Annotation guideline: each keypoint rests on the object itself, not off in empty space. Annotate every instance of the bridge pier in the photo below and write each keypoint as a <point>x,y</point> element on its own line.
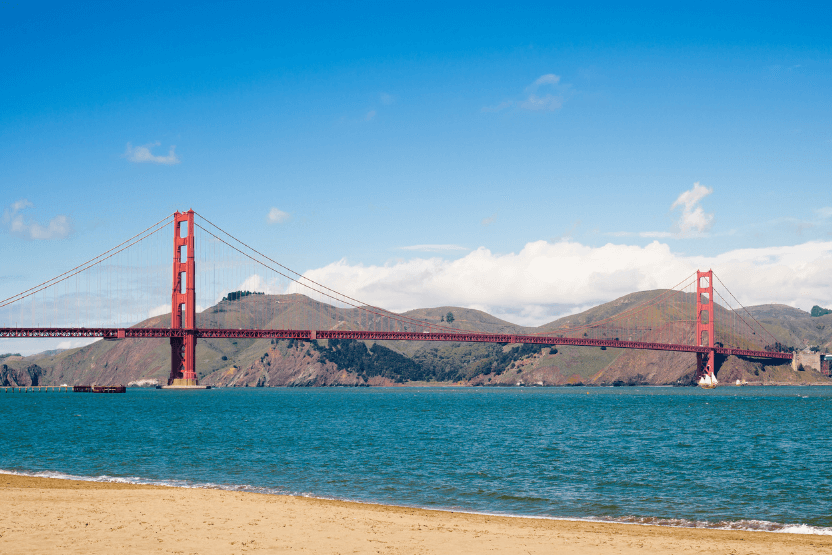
<point>705,364</point>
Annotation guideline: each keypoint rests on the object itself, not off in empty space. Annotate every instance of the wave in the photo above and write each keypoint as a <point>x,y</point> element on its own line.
<point>738,525</point>
<point>743,525</point>
<point>148,482</point>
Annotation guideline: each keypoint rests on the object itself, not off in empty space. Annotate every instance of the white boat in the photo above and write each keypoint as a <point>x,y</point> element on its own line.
<point>708,381</point>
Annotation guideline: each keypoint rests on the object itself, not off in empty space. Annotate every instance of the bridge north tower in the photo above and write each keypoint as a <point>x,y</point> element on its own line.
<point>705,323</point>
<point>183,302</point>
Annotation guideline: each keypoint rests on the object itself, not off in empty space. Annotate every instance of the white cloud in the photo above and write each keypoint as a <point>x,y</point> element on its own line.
<point>825,212</point>
<point>544,94</point>
<point>387,99</point>
<point>20,205</point>
<point>370,115</point>
<point>548,79</point>
<point>545,280</point>
<point>277,216</point>
<point>499,107</point>
<point>694,220</point>
<point>489,220</point>
<point>433,248</point>
<point>141,154</point>
<point>547,102</point>
<point>256,283</point>
<point>57,228</point>
<point>159,310</point>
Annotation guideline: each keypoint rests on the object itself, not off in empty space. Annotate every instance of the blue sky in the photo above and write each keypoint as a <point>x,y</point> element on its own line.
<point>404,138</point>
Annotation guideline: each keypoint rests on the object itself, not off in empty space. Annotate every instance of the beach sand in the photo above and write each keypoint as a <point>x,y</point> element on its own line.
<point>43,515</point>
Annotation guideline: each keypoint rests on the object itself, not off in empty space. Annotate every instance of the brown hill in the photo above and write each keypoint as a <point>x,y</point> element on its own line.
<point>794,327</point>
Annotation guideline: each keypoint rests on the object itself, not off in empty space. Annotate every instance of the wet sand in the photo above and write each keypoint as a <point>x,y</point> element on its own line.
<point>43,515</point>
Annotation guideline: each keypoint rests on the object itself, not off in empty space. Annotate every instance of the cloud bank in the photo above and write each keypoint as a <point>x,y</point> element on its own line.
<point>546,280</point>
<point>13,220</point>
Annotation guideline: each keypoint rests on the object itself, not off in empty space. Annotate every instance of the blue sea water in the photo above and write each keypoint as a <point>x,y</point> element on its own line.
<point>733,457</point>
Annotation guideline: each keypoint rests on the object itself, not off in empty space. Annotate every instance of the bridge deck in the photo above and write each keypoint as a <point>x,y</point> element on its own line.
<point>307,335</point>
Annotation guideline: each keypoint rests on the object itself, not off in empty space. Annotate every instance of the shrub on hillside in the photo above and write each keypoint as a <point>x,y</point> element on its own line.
<point>818,311</point>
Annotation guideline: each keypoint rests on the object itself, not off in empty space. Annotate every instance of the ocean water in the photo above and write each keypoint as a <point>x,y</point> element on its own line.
<point>734,457</point>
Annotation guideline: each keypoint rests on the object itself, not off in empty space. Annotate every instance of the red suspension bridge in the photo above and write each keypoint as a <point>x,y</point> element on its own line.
<point>119,295</point>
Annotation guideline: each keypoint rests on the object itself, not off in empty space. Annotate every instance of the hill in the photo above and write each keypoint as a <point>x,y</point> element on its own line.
<point>795,327</point>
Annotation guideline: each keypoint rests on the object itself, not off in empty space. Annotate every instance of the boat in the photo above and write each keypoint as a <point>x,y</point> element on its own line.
<point>99,389</point>
<point>109,389</point>
<point>708,381</point>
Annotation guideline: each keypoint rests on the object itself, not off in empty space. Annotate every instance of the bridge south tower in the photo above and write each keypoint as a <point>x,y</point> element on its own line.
<point>183,302</point>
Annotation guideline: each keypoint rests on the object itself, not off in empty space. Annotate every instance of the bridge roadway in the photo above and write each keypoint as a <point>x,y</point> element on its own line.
<point>308,335</point>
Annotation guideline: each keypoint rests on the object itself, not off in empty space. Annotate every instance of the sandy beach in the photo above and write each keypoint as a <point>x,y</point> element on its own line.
<point>44,515</point>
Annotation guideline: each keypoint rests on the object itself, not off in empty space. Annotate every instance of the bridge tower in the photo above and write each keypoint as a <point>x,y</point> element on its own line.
<point>183,302</point>
<point>705,322</point>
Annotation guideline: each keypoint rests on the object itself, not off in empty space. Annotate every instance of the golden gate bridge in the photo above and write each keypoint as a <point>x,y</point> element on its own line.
<point>119,295</point>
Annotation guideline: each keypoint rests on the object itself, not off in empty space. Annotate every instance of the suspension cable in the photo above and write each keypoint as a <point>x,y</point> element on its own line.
<point>403,319</point>
<point>622,314</point>
<point>745,309</point>
<point>335,296</point>
<point>359,304</point>
<point>86,265</point>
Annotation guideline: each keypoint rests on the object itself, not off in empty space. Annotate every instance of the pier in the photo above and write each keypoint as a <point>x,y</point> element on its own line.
<point>64,389</point>
<point>36,388</point>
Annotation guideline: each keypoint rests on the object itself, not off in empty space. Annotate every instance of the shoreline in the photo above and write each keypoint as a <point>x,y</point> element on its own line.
<point>773,528</point>
<point>43,514</point>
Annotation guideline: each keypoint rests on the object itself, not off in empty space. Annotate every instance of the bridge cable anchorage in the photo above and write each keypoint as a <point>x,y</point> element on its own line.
<point>745,309</point>
<point>85,266</point>
<point>362,306</point>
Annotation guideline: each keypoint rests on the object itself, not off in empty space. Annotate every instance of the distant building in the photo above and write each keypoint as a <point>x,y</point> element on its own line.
<point>816,361</point>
